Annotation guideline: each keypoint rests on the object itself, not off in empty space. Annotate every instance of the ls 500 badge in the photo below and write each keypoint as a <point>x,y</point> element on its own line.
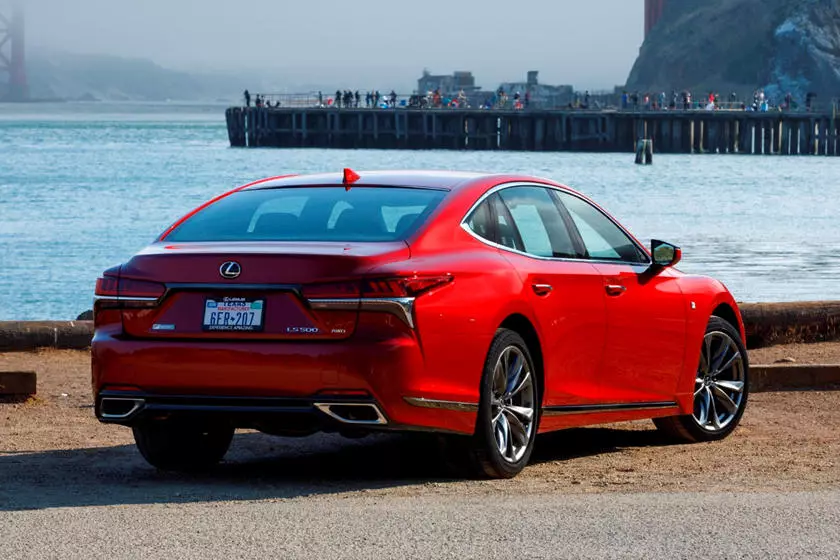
<point>302,330</point>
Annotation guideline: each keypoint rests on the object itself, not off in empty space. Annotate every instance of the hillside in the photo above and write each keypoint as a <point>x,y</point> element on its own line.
<point>741,45</point>
<point>109,78</point>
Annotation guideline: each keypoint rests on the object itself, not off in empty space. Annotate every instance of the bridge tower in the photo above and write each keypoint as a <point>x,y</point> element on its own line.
<point>12,55</point>
<point>653,12</point>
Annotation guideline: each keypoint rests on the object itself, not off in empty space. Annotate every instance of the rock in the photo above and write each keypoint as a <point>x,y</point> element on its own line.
<point>740,45</point>
<point>18,383</point>
<point>85,315</point>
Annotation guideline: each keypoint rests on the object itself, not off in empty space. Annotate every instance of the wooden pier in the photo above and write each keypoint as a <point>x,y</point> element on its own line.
<point>674,132</point>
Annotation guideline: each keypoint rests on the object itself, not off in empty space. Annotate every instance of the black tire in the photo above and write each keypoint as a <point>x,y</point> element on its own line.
<point>182,446</point>
<point>480,456</point>
<point>687,428</point>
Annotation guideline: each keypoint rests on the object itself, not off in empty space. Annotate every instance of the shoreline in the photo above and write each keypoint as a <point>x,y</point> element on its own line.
<point>766,324</point>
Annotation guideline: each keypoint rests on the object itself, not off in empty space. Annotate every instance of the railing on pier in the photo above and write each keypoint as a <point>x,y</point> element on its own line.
<point>558,103</point>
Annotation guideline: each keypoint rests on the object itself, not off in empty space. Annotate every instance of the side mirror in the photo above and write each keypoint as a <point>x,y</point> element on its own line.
<point>665,254</point>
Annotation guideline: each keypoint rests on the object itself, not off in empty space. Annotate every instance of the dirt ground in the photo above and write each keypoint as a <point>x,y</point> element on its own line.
<point>786,440</point>
<point>820,353</point>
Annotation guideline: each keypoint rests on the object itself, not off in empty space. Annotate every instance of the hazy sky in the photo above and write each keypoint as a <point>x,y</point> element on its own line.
<point>589,43</point>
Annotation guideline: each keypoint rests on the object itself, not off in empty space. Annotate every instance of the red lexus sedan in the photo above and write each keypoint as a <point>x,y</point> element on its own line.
<point>484,308</point>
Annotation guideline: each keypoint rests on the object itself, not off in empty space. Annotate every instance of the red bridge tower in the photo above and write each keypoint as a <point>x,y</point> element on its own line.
<point>653,12</point>
<point>12,55</point>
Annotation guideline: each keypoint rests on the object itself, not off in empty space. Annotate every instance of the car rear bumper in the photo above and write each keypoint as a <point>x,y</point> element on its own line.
<point>254,383</point>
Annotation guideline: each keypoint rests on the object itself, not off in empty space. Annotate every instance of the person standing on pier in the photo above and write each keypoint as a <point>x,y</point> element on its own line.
<point>358,99</point>
<point>338,98</point>
<point>247,95</point>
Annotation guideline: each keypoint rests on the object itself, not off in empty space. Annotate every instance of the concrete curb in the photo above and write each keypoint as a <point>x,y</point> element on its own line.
<point>787,377</point>
<point>769,324</point>
<point>22,336</point>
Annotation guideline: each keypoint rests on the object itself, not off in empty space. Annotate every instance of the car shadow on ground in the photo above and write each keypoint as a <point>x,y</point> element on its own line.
<point>263,467</point>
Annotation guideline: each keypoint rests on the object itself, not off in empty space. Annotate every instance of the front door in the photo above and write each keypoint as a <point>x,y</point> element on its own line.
<point>646,314</point>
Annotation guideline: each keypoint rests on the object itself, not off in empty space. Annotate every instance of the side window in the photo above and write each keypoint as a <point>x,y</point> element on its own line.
<point>539,222</point>
<point>603,239</point>
<point>480,221</point>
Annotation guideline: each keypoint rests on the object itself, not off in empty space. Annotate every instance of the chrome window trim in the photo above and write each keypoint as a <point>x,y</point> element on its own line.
<point>503,186</point>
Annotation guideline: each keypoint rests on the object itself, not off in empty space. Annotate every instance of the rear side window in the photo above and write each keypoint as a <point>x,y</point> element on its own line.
<point>312,214</point>
<point>480,221</point>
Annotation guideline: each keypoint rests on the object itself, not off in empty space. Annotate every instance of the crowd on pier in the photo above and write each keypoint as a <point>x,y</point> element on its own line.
<point>515,100</point>
<point>685,101</point>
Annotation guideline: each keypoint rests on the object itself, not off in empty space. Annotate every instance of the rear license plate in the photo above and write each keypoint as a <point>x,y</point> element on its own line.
<point>233,314</point>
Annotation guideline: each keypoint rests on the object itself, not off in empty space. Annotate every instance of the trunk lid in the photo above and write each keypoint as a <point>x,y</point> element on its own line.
<point>261,296</point>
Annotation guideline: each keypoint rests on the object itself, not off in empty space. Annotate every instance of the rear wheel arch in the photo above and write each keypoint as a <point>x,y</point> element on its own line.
<point>521,325</point>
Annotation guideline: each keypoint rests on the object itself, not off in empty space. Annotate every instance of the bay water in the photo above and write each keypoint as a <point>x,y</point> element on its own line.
<point>84,186</point>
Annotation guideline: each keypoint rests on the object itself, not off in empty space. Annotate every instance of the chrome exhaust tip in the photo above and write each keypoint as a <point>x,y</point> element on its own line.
<point>353,413</point>
<point>119,408</point>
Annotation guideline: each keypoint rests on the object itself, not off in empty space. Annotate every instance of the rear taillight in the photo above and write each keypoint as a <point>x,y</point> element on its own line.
<point>404,287</point>
<point>125,292</point>
<point>107,286</point>
<point>394,295</point>
<point>332,290</point>
<point>396,287</point>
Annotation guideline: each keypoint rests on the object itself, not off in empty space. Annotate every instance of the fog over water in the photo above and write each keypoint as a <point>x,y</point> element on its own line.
<point>589,44</point>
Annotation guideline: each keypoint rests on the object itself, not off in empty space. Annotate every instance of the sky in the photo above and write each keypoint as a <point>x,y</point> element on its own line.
<point>588,43</point>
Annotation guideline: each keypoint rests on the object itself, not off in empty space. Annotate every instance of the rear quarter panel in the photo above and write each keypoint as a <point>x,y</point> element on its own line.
<point>456,323</point>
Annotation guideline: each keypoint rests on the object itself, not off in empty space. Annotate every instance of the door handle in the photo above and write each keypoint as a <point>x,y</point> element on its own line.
<point>615,289</point>
<point>542,289</point>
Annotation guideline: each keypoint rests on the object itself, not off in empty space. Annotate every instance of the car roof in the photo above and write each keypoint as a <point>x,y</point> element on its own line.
<point>443,180</point>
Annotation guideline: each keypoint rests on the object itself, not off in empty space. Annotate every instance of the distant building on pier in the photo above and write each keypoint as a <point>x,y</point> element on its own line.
<point>541,95</point>
<point>448,84</point>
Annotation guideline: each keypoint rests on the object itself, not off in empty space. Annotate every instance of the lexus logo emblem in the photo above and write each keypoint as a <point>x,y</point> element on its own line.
<point>230,270</point>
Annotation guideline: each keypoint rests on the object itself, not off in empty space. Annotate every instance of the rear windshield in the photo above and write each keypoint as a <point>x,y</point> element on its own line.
<point>312,214</point>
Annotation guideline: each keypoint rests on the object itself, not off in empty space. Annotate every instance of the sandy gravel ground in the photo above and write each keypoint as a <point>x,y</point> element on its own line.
<point>820,353</point>
<point>785,440</point>
<point>73,488</point>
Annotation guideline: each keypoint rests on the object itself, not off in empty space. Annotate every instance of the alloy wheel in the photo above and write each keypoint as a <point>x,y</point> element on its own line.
<point>512,404</point>
<point>719,386</point>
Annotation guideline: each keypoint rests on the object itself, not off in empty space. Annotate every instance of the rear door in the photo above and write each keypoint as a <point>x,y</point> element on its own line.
<point>646,314</point>
<point>566,294</point>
